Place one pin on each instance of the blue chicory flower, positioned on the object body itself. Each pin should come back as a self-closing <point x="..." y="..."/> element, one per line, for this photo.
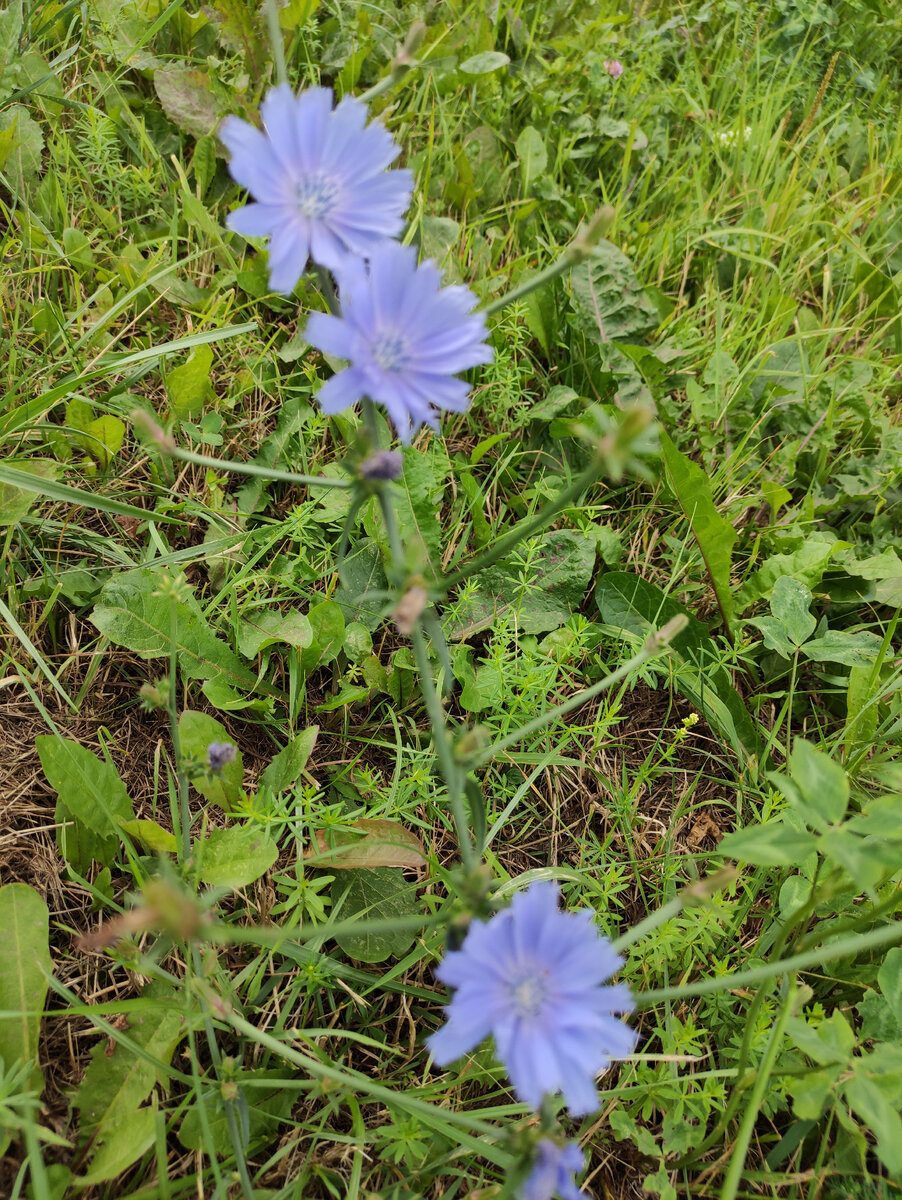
<point x="405" y="337"/>
<point x="531" y="976"/>
<point x="551" y="1173"/>
<point x="318" y="176"/>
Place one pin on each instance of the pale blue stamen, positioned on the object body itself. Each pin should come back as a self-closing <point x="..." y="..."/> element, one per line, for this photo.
<point x="316" y="195"/>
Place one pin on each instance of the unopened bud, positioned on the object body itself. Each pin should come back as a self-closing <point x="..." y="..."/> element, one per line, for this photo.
<point x="592" y="233"/>
<point x="659" y="641"/>
<point x="410" y="609"/>
<point x="384" y="464"/>
<point x="164" y="441"/>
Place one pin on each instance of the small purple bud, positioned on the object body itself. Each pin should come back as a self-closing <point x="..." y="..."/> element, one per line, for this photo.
<point x="613" y="68"/>
<point x="384" y="464"/>
<point x="219" y="755"/>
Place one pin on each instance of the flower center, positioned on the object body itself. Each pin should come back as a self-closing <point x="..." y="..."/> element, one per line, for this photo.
<point x="315" y="195"/>
<point x="388" y="350"/>
<point x="528" y="995"/>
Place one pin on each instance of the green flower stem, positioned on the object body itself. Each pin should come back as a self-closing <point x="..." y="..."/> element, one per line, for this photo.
<point x="275" y="37"/>
<point x="886" y="935"/>
<point x="448" y="767"/>
<point x="659" y="917"/>
<point x="578" y="250"/>
<point x="365" y="1085"/>
<point x="756" y="1097"/>
<point x="242" y="468"/>
<point x="525" y="529"/>
<point x="273" y="936"/>
<point x="403" y="62"/>
<point x="654" y="646"/>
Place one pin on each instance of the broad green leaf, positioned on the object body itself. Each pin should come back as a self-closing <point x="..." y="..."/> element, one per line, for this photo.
<point x="196" y="731"/>
<point x="127" y="1136"/>
<point x="715" y="535"/>
<point x="774" y="844"/>
<point x="189" y="384"/>
<point x="607" y="298"/>
<point x="151" y="835"/>
<point x="539" y="588"/>
<point x="21" y="144"/>
<point x="807" y="565"/>
<point x="381" y="894"/>
<point x="91" y="794"/>
<point x="635" y="609"/>
<point x="890" y="979"/>
<point x="774" y="635"/>
<point x="135" y="611"/>
<point x="369" y="842"/>
<point x="849" y="649"/>
<point x="867" y="863"/>
<point x="260" y="628"/>
<point x="532" y="155"/>
<point x="790" y="602"/>
<point x="822" y="783"/>
<point x="286" y="768"/>
<point x="25" y="968"/>
<point x="122" y="1080"/>
<point x="438" y="237"/>
<point x="10" y="33"/>
<point x="484" y="63"/>
<point x="233" y="858"/>
<point x="810" y="1092"/>
<point x="418" y="496"/>
<point x="188" y="100"/>
<point x="236" y="23"/>
<point x="833" y="1041"/>
<point x="328" y="624"/>
<point x="15" y="501"/>
<point x="361" y="592"/>
<point x="873" y="1107"/>
<point x="102" y="436"/>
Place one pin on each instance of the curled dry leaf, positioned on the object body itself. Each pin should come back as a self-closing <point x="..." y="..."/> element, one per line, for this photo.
<point x="369" y="842"/>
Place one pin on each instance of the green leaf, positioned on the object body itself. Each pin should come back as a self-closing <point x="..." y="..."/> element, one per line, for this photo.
<point x="21" y="144"/>
<point x="127" y="1136"/>
<point x="714" y="534"/>
<point x="833" y="1041"/>
<point x="369" y="842"/>
<point x="235" y="22"/>
<point x="196" y="731"/>
<point x="810" y="1093"/>
<point x="380" y="894"/>
<point x="869" y="1102"/>
<point x="151" y="835"/>
<point x="361" y="577"/>
<point x="16" y="501"/>
<point x="607" y="298"/>
<point x="634" y="609"/>
<point x="263" y="1108"/>
<point x="774" y="635"/>
<point x="91" y="794"/>
<point x="189" y="385"/>
<point x="772" y="845"/>
<point x="10" y="33"/>
<point x="532" y="155"/>
<point x="135" y="611"/>
<point x="25" y="968"/>
<point x="263" y="628"/>
<point x="233" y="858"/>
<point x="849" y="649"/>
<point x="188" y="99"/>
<point x="890" y="979"/>
<point x="484" y="63"/>
<point x="286" y="768"/>
<point x="328" y="624"/>
<point x="790" y="602"/>
<point x="807" y="565"/>
<point x="822" y="783"/>
<point x="539" y="587"/>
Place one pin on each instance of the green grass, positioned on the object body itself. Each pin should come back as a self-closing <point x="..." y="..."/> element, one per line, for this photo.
<point x="747" y="301"/>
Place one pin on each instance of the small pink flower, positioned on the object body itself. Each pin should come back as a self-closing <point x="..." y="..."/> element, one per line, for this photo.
<point x="613" y="68"/>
